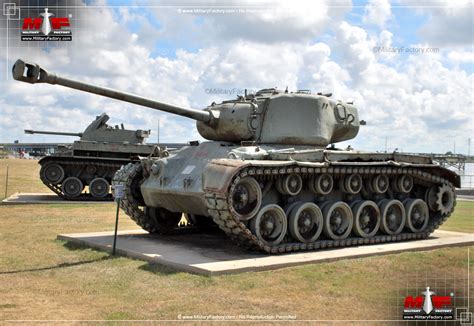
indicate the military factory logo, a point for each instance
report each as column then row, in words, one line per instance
column 46, row 28
column 428, row 307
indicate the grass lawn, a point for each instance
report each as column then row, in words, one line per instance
column 43, row 278
column 23, row 176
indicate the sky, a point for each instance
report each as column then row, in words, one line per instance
column 407, row 65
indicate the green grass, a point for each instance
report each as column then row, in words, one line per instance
column 23, row 176
column 44, row 278
column 462, row 219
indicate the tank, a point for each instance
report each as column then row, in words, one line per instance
column 91, row 162
column 268, row 179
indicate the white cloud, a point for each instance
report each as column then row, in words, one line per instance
column 414, row 100
column 377, row 12
column 450, row 23
column 460, row 57
column 414, row 103
column 356, row 49
column 258, row 21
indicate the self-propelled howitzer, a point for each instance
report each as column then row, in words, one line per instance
column 99, row 131
column 91, row 162
column 267, row 179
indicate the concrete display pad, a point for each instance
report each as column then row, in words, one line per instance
column 19, row 198
column 213, row 254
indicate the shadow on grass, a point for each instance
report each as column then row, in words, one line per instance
column 159, row 269
column 77, row 246
column 70, row 246
column 154, row 268
column 80, row 246
column 61, row 265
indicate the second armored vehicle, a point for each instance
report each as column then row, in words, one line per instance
column 91, row 161
column 267, row 179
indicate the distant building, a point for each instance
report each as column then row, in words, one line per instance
column 33, row 149
column 43, row 149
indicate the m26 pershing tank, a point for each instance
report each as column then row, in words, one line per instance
column 269, row 182
column 91, row 161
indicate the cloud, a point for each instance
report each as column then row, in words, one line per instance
column 257, row 21
column 356, row 49
column 129, row 68
column 450, row 23
column 377, row 12
column 460, row 57
column 413, row 100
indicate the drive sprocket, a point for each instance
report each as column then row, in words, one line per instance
column 445, row 199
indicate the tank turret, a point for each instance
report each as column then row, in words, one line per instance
column 99, row 131
column 270, row 116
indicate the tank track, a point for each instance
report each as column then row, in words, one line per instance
column 218, row 208
column 129, row 202
column 79, row 164
column 238, row 231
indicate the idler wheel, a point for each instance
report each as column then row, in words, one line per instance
column 163, row 219
column 270, row 225
column 338, row 220
column 417, row 214
column 72, row 187
column 322, row 184
column 99, row 188
column 305, row 222
column 246, row 198
column 352, row 184
column 379, row 184
column 53, row 173
column 393, row 216
column 290, row 184
column 366, row 218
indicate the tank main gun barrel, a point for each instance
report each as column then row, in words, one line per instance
column 29, row 131
column 33, row 73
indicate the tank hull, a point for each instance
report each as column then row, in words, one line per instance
column 249, row 191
